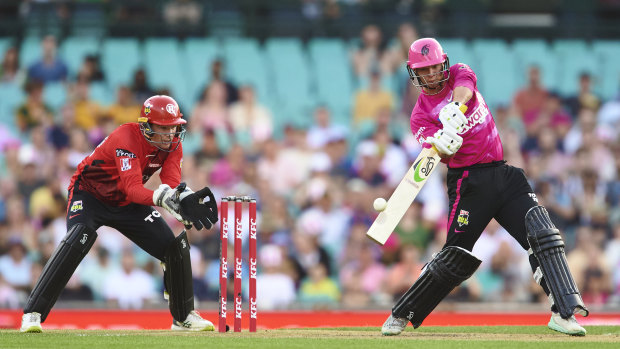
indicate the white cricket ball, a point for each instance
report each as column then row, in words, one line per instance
column 379, row 204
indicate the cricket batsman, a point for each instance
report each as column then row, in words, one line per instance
column 452, row 116
column 108, row 189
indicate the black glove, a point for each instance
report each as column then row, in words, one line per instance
column 197, row 211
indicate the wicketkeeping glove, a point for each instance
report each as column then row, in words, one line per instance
column 170, row 199
column 446, row 141
column 452, row 115
column 196, row 209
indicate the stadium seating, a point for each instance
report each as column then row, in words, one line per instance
column 55, row 95
column 74, row 49
column 164, row 68
column 332, row 71
column 30, row 51
column 198, row 55
column 495, row 69
column 607, row 53
column 120, row 58
column 289, row 68
column 245, row 64
column 536, row 52
column 574, row 58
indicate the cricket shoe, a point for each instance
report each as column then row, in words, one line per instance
column 31, row 323
column 193, row 322
column 568, row 326
column 394, row 326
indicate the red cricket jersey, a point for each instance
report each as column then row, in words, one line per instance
column 116, row 171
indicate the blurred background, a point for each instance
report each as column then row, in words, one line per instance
column 305, row 105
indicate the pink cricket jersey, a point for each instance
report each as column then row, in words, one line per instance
column 481, row 143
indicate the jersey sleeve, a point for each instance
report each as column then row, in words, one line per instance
column 464, row 76
column 171, row 170
column 127, row 161
column 422, row 126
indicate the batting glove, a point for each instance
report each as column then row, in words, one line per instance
column 446, row 141
column 452, row 115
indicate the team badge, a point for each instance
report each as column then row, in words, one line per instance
column 147, row 109
column 170, row 108
column 425, row 49
column 125, row 164
column 76, row 206
column 463, row 218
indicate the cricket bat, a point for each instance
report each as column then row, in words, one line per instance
column 403, row 196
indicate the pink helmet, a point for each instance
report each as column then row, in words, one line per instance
column 423, row 53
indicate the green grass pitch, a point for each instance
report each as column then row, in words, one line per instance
column 468, row 337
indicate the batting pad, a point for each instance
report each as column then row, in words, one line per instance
column 59, row 268
column 546, row 242
column 442, row 274
column 178, row 278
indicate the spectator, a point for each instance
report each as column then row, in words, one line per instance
column 33, row 112
column 322, row 130
column 367, row 57
column 49, row 68
column 275, row 287
column 15, row 268
column 318, row 289
column 532, row 98
column 250, row 118
column 90, row 71
column 395, row 57
column 551, row 116
column 87, row 111
column 217, row 75
column 177, row 12
column 129, row 287
column 10, row 70
column 370, row 101
column 404, row 272
column 585, row 98
column 9, row 298
column 140, row 86
column 586, row 123
column 125, row 109
column 211, row 112
column 362, row 278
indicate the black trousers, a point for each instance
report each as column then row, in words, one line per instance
column 482, row 192
column 141, row 224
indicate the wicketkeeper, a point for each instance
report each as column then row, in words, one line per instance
column 452, row 116
column 108, row 189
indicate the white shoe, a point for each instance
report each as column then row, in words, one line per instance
column 193, row 322
column 394, row 326
column 568, row 326
column 31, row 323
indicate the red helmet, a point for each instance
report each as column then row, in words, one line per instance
column 423, row 53
column 164, row 111
column 161, row 110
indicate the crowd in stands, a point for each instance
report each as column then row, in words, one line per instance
column 314, row 186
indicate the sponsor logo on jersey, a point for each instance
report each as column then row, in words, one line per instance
column 124, row 153
column 478, row 115
column 463, row 218
column 533, row 196
column 76, row 206
column 125, row 164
